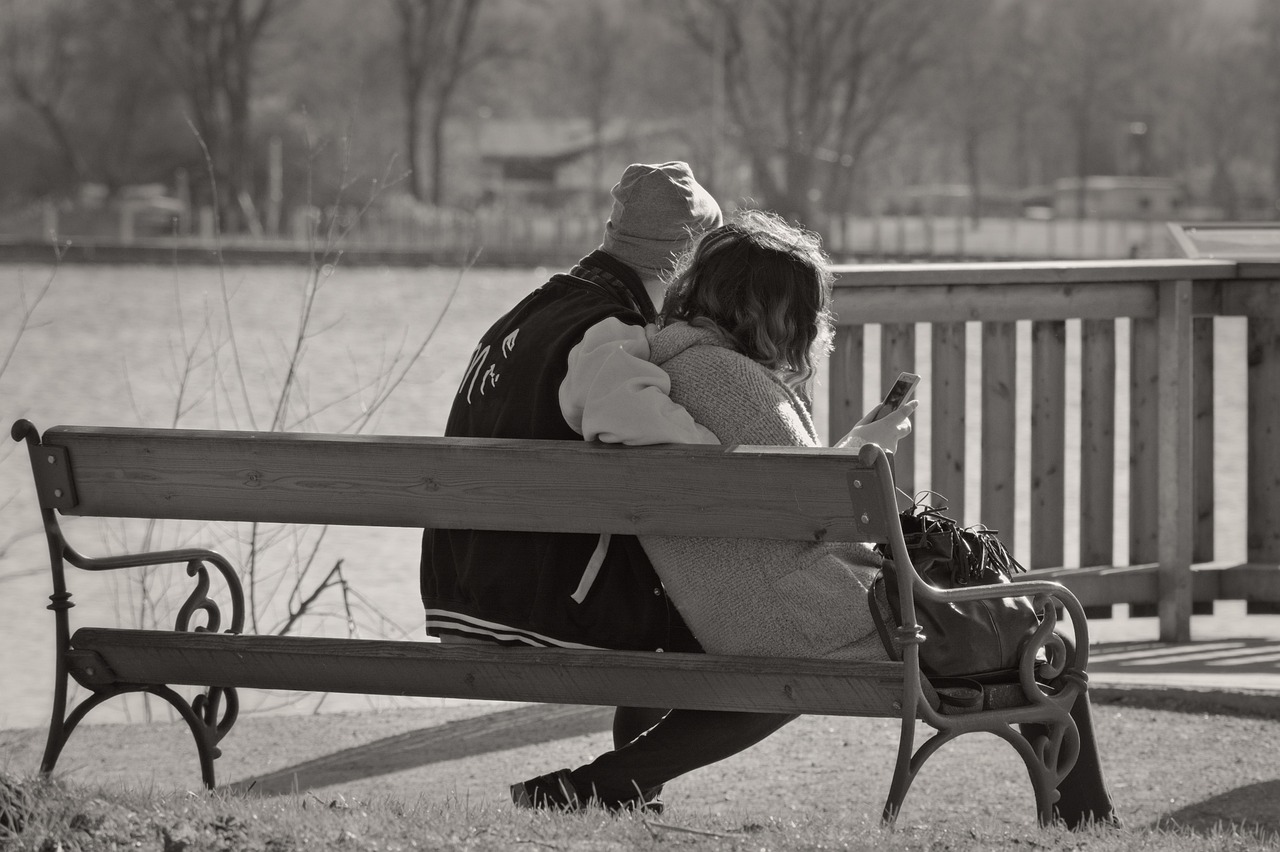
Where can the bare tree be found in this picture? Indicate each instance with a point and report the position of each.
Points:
(40, 42)
(1222, 80)
(211, 48)
(1098, 57)
(809, 83)
(438, 49)
(1268, 27)
(974, 86)
(600, 78)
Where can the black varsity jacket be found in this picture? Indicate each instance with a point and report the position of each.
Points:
(518, 587)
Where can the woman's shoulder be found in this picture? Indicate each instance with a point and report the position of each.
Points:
(685, 350)
(678, 338)
(738, 399)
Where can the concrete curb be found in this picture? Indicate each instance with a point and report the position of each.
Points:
(1262, 704)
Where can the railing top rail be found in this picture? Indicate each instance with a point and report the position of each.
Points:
(1042, 272)
(1259, 269)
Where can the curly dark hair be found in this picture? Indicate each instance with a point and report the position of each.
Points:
(765, 285)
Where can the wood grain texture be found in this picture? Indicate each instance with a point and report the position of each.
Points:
(1144, 370)
(788, 493)
(1139, 585)
(375, 667)
(1039, 272)
(1176, 517)
(1048, 442)
(952, 302)
(1097, 441)
(1202, 437)
(999, 427)
(845, 378)
(898, 355)
(947, 411)
(1263, 531)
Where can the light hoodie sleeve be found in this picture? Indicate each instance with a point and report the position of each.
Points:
(614, 393)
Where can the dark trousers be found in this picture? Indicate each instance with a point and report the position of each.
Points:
(680, 741)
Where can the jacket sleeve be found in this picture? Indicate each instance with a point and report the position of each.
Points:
(613, 393)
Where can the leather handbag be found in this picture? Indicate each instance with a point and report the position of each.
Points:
(971, 639)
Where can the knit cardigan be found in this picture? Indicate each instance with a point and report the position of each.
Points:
(757, 596)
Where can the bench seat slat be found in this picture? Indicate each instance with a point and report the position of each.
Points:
(563, 676)
(545, 486)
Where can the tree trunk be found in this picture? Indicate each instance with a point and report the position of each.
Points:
(1082, 162)
(413, 139)
(795, 204)
(973, 166)
(239, 153)
(74, 162)
(438, 153)
(1275, 167)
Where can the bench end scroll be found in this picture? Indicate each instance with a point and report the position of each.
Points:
(25, 430)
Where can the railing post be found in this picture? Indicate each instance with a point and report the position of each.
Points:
(1202, 357)
(1097, 441)
(998, 466)
(1175, 513)
(1048, 441)
(1263, 531)
(845, 380)
(898, 354)
(947, 412)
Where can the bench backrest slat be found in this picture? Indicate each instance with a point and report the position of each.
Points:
(565, 486)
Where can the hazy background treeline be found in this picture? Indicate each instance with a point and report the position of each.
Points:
(254, 108)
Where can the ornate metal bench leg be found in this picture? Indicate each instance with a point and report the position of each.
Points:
(201, 716)
(902, 772)
(60, 728)
(904, 775)
(1044, 781)
(1048, 750)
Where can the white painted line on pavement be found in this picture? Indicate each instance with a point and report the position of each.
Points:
(1166, 652)
(1271, 655)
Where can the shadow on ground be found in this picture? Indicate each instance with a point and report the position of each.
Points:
(507, 729)
(1252, 809)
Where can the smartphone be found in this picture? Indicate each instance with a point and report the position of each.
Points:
(900, 392)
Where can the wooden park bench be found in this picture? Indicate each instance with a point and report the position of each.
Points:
(735, 491)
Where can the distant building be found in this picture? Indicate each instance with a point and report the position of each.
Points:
(563, 163)
(952, 199)
(1107, 197)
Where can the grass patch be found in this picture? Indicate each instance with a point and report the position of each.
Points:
(43, 816)
(1182, 782)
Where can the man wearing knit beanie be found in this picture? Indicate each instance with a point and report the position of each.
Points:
(658, 211)
(526, 589)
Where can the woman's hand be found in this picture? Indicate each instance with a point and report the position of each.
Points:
(883, 428)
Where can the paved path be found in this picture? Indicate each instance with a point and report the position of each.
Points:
(1231, 655)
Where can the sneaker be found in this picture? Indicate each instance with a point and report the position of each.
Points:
(553, 791)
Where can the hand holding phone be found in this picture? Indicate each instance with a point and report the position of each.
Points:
(887, 423)
(899, 393)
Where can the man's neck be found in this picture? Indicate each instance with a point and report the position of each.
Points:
(601, 263)
(656, 289)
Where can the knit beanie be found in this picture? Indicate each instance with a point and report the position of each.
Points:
(658, 213)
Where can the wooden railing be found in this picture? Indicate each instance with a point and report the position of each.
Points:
(1165, 309)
